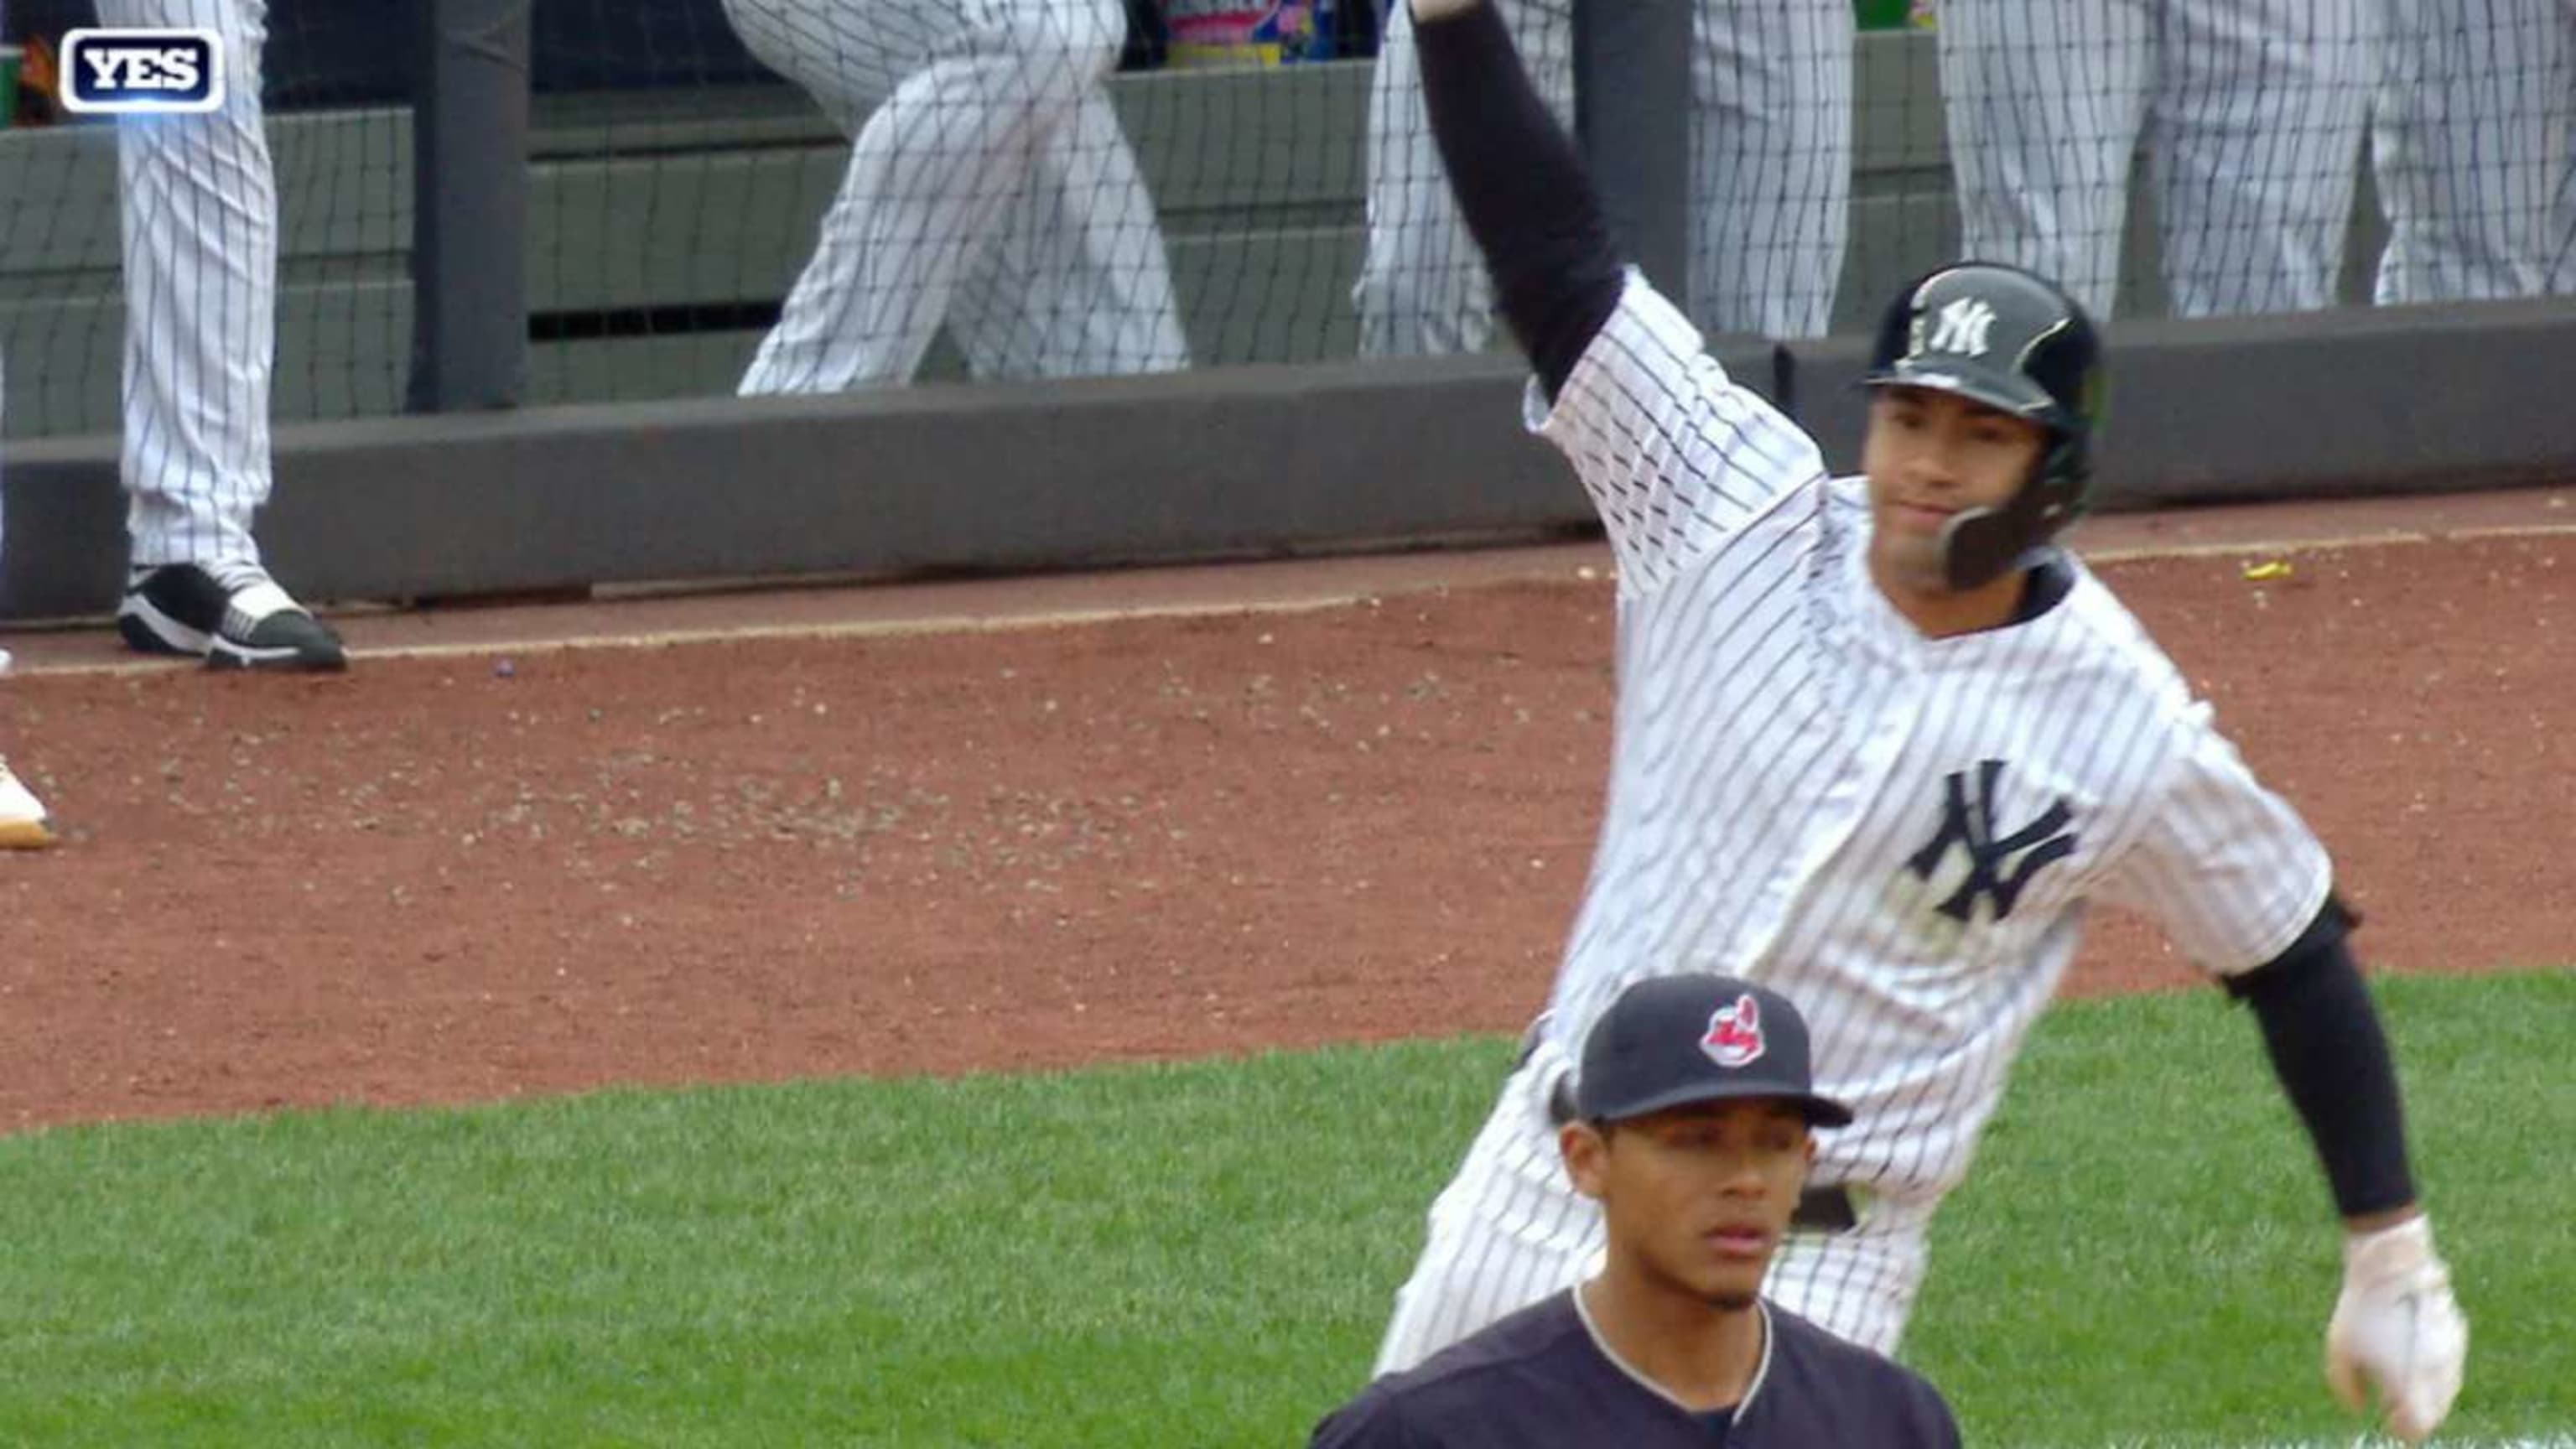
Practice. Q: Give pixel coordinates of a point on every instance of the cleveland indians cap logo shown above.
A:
(1735, 1034)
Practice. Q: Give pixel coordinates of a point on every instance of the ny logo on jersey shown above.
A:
(1960, 327)
(1968, 821)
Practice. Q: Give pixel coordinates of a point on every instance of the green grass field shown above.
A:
(1194, 1255)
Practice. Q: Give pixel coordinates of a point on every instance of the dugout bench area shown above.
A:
(660, 227)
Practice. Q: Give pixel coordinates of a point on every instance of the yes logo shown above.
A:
(142, 72)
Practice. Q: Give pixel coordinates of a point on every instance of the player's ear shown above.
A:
(1586, 1151)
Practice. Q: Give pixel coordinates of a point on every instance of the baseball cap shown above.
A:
(1672, 1040)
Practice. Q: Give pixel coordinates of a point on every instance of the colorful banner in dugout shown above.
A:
(1894, 14)
(1247, 32)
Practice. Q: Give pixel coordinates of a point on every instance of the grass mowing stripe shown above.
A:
(1195, 1254)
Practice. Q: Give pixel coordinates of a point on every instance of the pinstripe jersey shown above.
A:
(1897, 833)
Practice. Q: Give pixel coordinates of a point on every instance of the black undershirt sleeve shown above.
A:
(2332, 1058)
(1522, 189)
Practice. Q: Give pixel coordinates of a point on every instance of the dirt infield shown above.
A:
(493, 871)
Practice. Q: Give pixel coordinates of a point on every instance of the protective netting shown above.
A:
(2247, 122)
(339, 165)
(807, 195)
(781, 196)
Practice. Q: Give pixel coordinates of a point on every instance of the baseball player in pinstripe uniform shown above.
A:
(1770, 148)
(1880, 740)
(200, 236)
(199, 219)
(989, 187)
(1693, 1130)
(2255, 110)
(2468, 131)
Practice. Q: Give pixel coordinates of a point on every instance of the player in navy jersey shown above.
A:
(1692, 1128)
(1880, 744)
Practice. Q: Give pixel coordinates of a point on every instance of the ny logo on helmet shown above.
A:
(1968, 821)
(1960, 327)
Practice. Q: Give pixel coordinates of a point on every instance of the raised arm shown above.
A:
(1520, 186)
(1678, 458)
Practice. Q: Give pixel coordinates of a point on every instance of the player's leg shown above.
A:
(23, 825)
(2468, 122)
(2562, 268)
(2562, 272)
(1771, 157)
(972, 92)
(1858, 1285)
(1422, 286)
(1507, 1231)
(199, 211)
(2044, 106)
(2263, 103)
(1076, 284)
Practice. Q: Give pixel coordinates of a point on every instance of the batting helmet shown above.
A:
(2003, 337)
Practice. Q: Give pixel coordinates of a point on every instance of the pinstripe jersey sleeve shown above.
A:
(1676, 455)
(2225, 866)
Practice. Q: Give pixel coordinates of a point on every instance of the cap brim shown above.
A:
(1819, 1111)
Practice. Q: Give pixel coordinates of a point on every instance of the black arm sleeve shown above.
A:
(1522, 189)
(2332, 1058)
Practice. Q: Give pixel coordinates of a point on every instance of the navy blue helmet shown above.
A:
(2003, 337)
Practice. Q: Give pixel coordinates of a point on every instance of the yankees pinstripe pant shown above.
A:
(1771, 149)
(200, 253)
(2256, 108)
(989, 187)
(1510, 1229)
(2469, 145)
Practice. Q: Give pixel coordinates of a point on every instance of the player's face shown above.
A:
(1696, 1199)
(1931, 455)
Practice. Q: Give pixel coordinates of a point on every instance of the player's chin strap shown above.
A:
(1981, 545)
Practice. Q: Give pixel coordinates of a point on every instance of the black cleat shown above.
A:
(238, 620)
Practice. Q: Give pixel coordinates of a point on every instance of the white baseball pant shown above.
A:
(2468, 134)
(200, 252)
(2562, 271)
(1771, 151)
(989, 187)
(2255, 107)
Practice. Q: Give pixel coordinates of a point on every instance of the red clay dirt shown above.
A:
(497, 871)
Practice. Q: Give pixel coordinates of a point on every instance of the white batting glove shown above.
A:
(2397, 1330)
